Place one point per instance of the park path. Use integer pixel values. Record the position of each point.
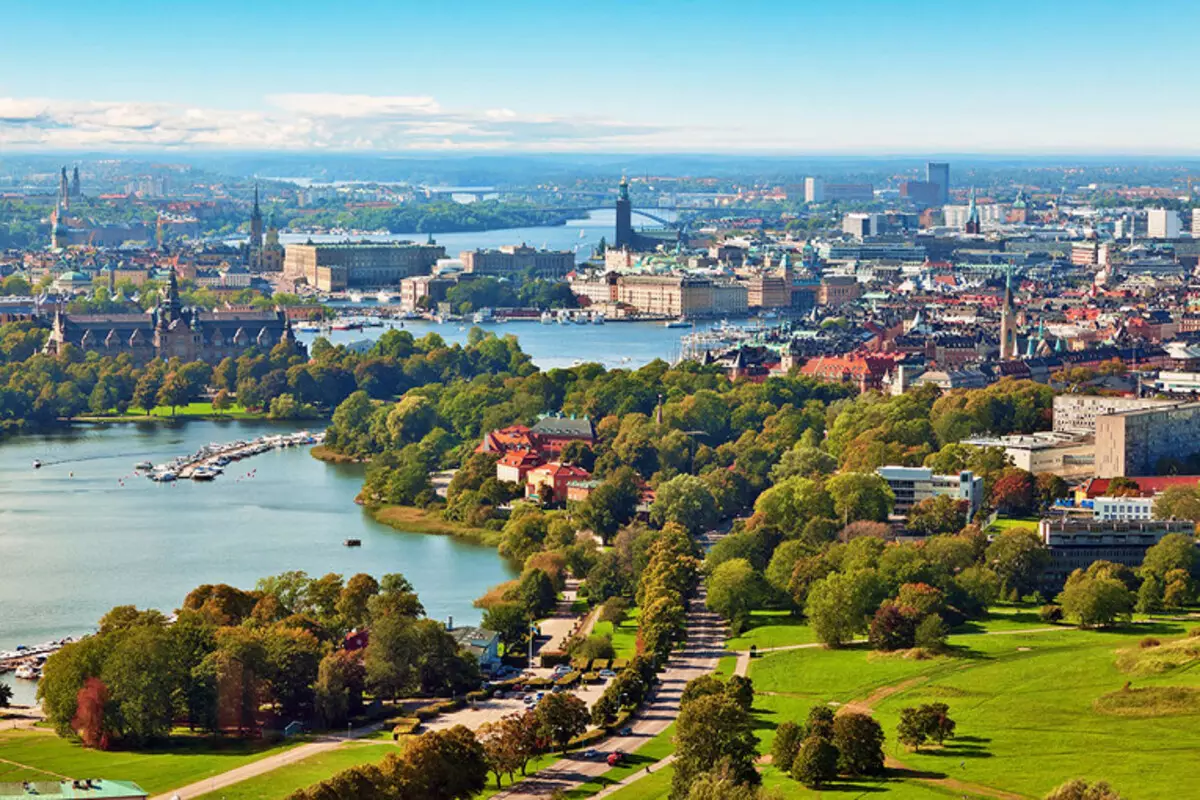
(265, 765)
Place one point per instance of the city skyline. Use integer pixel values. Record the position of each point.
(540, 77)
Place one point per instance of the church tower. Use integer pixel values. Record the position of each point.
(64, 190)
(624, 233)
(1008, 328)
(256, 235)
(75, 190)
(973, 224)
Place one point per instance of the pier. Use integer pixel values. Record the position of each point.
(209, 461)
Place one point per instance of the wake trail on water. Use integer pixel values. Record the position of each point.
(82, 459)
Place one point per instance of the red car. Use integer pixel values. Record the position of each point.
(615, 757)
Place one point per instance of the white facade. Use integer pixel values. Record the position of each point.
(814, 190)
(1123, 509)
(1196, 222)
(1162, 223)
(911, 485)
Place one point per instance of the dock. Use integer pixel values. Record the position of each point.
(209, 461)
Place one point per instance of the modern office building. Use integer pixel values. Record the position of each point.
(1162, 223)
(861, 225)
(1068, 455)
(814, 190)
(938, 173)
(922, 194)
(337, 267)
(1122, 509)
(1077, 543)
(1134, 442)
(1077, 413)
(911, 485)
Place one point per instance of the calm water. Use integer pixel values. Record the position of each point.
(72, 547)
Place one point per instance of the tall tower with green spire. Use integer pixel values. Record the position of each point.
(624, 232)
(973, 224)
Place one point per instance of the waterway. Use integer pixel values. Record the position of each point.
(82, 534)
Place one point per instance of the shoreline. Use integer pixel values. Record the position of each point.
(409, 519)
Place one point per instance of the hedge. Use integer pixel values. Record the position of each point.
(570, 679)
(588, 739)
(552, 658)
(619, 663)
(482, 694)
(580, 664)
(406, 726)
(591, 677)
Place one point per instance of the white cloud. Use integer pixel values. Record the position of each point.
(303, 122)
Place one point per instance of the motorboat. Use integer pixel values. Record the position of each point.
(143, 466)
(682, 322)
(355, 297)
(547, 318)
(165, 476)
(27, 672)
(598, 318)
(353, 543)
(384, 296)
(205, 473)
(37, 464)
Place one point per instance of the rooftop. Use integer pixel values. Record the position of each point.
(64, 790)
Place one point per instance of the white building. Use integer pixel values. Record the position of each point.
(1162, 223)
(911, 485)
(861, 225)
(814, 190)
(1196, 222)
(1068, 455)
(1123, 509)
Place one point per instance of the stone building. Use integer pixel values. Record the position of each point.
(1134, 442)
(172, 330)
(512, 260)
(337, 267)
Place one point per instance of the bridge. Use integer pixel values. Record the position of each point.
(686, 213)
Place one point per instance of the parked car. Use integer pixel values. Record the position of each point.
(615, 757)
(607, 673)
(590, 754)
(626, 731)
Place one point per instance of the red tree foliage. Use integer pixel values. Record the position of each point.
(89, 714)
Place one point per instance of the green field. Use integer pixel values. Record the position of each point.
(201, 409)
(280, 783)
(772, 629)
(1025, 704)
(185, 760)
(1005, 524)
(624, 635)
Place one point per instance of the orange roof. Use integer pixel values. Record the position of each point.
(557, 469)
(504, 439)
(520, 458)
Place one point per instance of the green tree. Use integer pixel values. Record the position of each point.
(710, 730)
(353, 598)
(685, 500)
(611, 504)
(562, 717)
(788, 738)
(1093, 601)
(860, 496)
(734, 589)
(222, 401)
(859, 742)
(1173, 551)
(816, 762)
(1149, 596)
(940, 514)
(1083, 790)
(840, 605)
(174, 391)
(1018, 556)
(1178, 502)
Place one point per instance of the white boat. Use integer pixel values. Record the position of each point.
(580, 319)
(37, 464)
(482, 315)
(27, 672)
(598, 318)
(384, 296)
(205, 473)
(165, 476)
(355, 297)
(682, 322)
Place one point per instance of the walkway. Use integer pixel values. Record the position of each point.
(265, 765)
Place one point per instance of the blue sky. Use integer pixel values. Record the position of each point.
(806, 76)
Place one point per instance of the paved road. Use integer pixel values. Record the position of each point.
(706, 637)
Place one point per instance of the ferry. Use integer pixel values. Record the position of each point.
(355, 297)
(384, 296)
(682, 322)
(348, 326)
(308, 327)
(143, 466)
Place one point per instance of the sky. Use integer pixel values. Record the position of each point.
(793, 76)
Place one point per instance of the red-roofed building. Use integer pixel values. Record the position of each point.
(549, 481)
(866, 372)
(1147, 486)
(514, 437)
(515, 464)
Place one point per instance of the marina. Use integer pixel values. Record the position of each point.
(210, 461)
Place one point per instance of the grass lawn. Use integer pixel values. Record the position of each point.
(417, 520)
(1025, 704)
(184, 760)
(1017, 522)
(624, 635)
(654, 786)
(202, 409)
(539, 763)
(772, 629)
(280, 783)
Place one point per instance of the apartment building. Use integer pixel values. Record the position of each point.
(911, 485)
(341, 266)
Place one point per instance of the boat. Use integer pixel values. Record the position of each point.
(355, 297)
(27, 672)
(482, 315)
(353, 543)
(143, 466)
(384, 296)
(37, 464)
(547, 318)
(682, 322)
(205, 473)
(598, 318)
(308, 327)
(580, 319)
(165, 476)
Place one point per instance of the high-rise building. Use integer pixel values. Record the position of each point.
(814, 190)
(938, 172)
(624, 234)
(922, 193)
(1162, 223)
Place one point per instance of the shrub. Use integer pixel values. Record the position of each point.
(931, 633)
(816, 762)
(788, 739)
(552, 658)
(475, 697)
(570, 679)
(1148, 642)
(1050, 613)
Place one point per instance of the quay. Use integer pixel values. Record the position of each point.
(209, 461)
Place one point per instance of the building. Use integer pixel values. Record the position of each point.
(1077, 543)
(849, 192)
(92, 789)
(548, 483)
(337, 267)
(1122, 509)
(922, 194)
(1067, 455)
(1135, 442)
(666, 295)
(1196, 222)
(550, 434)
(938, 173)
(1008, 324)
(479, 642)
(414, 291)
(1077, 413)
(814, 190)
(1162, 223)
(861, 225)
(836, 290)
(865, 372)
(911, 485)
(767, 291)
(512, 260)
(624, 229)
(171, 330)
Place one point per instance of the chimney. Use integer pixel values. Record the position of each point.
(450, 623)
